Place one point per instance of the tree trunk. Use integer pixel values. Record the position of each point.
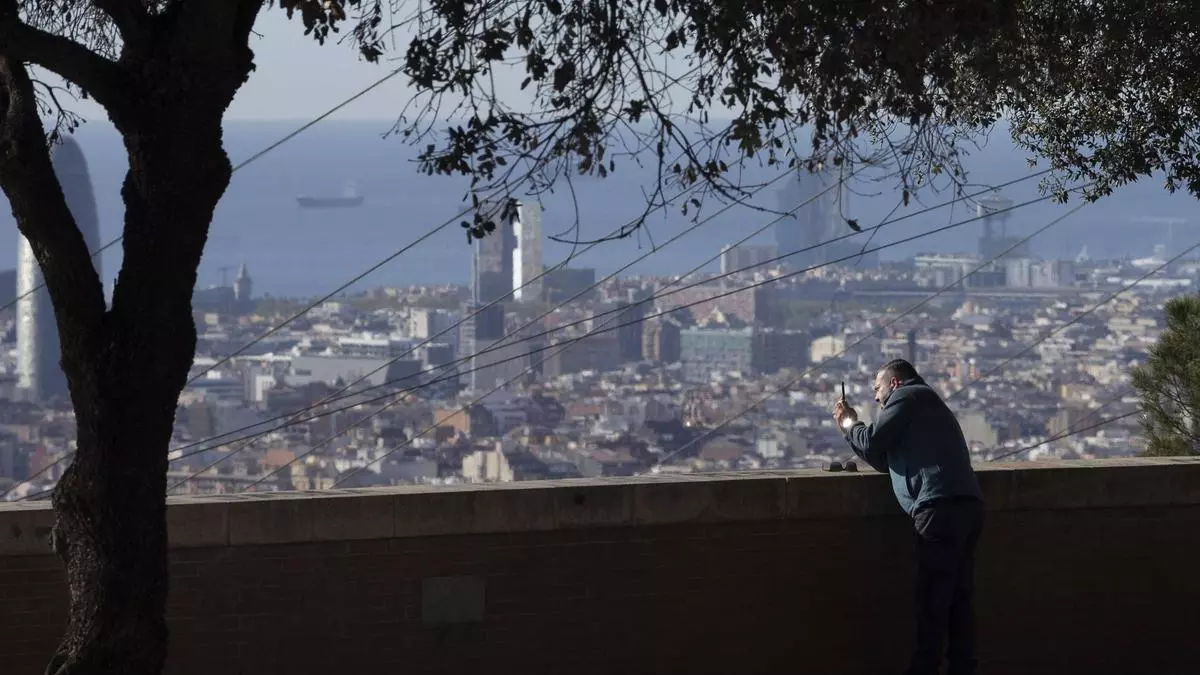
(111, 502)
(125, 364)
(125, 371)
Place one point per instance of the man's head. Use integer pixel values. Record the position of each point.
(890, 376)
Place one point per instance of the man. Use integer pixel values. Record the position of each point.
(918, 441)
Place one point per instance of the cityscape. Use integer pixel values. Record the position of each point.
(533, 369)
(590, 338)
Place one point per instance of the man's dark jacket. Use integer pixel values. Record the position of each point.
(918, 441)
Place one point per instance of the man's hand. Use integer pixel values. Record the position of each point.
(844, 415)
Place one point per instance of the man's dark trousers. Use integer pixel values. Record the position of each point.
(947, 532)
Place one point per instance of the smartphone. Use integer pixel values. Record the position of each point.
(846, 421)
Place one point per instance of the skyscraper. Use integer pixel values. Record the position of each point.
(630, 323)
(39, 374)
(491, 275)
(995, 211)
(509, 259)
(492, 256)
(660, 340)
(565, 283)
(503, 264)
(805, 232)
(527, 261)
(506, 262)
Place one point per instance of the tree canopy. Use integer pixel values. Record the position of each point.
(1169, 383)
(1102, 91)
(1099, 90)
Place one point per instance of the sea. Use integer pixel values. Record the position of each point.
(294, 252)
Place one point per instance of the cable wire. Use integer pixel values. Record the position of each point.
(568, 342)
(323, 299)
(536, 350)
(461, 410)
(336, 396)
(225, 359)
(1073, 321)
(493, 347)
(503, 342)
(550, 311)
(1065, 434)
(622, 309)
(708, 433)
(241, 165)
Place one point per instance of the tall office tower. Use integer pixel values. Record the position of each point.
(39, 375)
(995, 210)
(509, 259)
(492, 269)
(660, 340)
(631, 325)
(492, 275)
(527, 254)
(806, 235)
(467, 344)
(507, 263)
(502, 267)
(565, 283)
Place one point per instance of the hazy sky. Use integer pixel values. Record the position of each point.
(299, 79)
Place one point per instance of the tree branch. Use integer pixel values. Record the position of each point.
(129, 16)
(40, 208)
(247, 15)
(77, 64)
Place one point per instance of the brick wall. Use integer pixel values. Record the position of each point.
(1085, 567)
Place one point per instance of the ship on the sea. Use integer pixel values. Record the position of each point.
(349, 199)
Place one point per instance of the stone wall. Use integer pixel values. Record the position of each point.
(1085, 567)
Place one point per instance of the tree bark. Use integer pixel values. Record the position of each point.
(126, 364)
(111, 502)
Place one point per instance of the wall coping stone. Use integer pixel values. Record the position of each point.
(659, 499)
